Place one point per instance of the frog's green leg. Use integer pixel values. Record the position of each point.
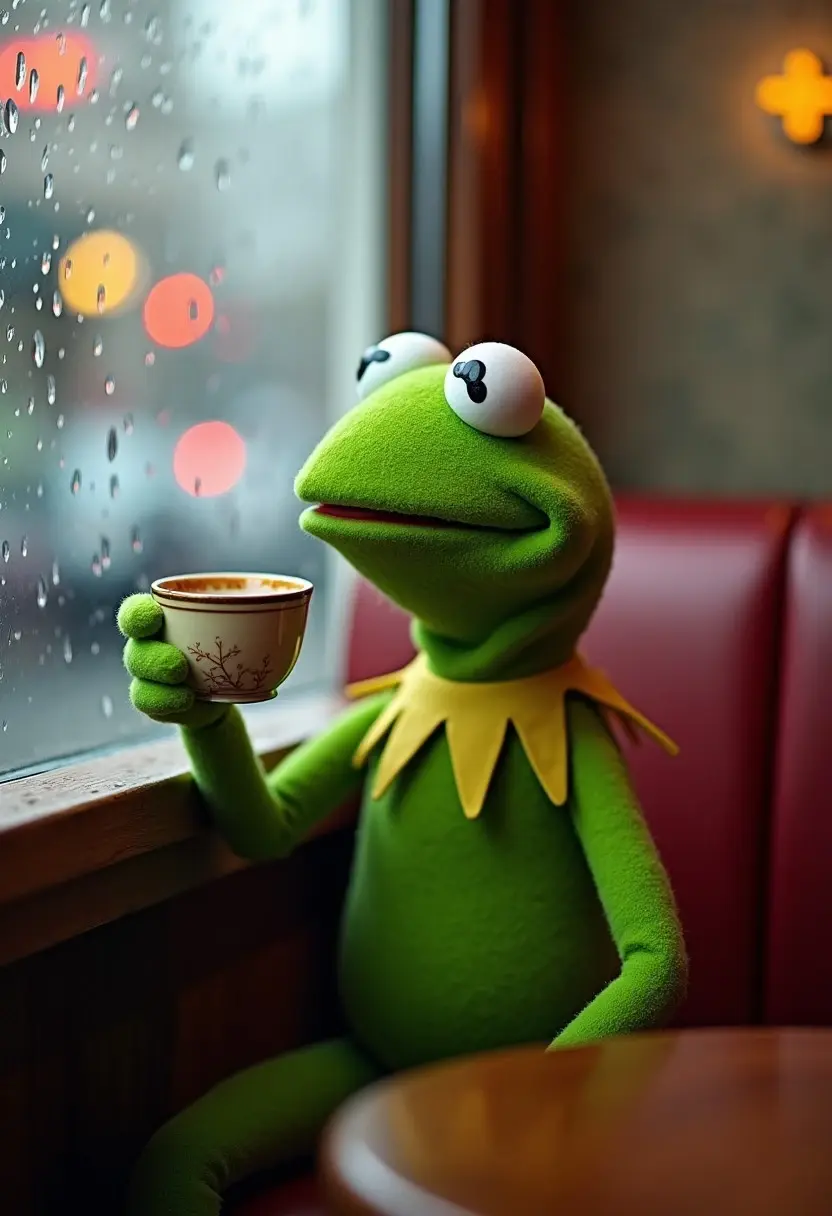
(266, 1116)
(633, 888)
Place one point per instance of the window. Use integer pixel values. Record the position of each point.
(191, 252)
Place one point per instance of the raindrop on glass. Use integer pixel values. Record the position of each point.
(101, 298)
(131, 118)
(185, 158)
(48, 186)
(38, 348)
(107, 707)
(222, 174)
(2, 162)
(61, 41)
(85, 15)
(42, 596)
(149, 359)
(90, 216)
(112, 446)
(82, 76)
(97, 346)
(95, 565)
(104, 10)
(5, 549)
(56, 574)
(68, 268)
(67, 649)
(105, 553)
(75, 484)
(24, 546)
(60, 98)
(44, 160)
(30, 406)
(109, 386)
(20, 70)
(128, 424)
(46, 263)
(114, 486)
(57, 303)
(34, 82)
(51, 391)
(136, 541)
(11, 116)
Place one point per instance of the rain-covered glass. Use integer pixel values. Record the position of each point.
(189, 259)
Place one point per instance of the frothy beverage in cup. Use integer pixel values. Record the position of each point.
(241, 633)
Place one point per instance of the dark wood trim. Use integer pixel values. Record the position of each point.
(399, 156)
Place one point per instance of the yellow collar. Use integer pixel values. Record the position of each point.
(476, 717)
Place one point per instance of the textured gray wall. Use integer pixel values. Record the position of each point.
(699, 267)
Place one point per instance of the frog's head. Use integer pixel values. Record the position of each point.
(470, 500)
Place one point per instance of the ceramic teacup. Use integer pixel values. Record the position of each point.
(241, 633)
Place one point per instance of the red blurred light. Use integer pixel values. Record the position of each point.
(178, 311)
(57, 62)
(209, 459)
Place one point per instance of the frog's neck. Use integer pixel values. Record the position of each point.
(536, 640)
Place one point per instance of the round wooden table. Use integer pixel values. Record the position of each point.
(691, 1123)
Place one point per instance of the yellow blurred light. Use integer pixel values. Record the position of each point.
(802, 96)
(99, 273)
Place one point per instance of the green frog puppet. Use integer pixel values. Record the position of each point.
(505, 888)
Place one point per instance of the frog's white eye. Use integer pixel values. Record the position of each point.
(496, 389)
(394, 356)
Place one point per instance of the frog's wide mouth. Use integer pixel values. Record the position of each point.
(400, 518)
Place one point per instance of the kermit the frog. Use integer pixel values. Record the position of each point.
(505, 888)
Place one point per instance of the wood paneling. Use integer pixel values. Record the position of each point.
(106, 1035)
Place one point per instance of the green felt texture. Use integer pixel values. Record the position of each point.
(503, 601)
(264, 1117)
(159, 670)
(532, 923)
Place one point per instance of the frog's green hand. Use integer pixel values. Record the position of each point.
(158, 669)
(633, 888)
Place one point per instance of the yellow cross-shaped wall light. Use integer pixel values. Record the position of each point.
(802, 96)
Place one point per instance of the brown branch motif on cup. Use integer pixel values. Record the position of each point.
(223, 675)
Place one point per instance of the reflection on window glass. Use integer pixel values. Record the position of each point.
(174, 203)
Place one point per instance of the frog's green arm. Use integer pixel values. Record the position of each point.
(264, 816)
(632, 886)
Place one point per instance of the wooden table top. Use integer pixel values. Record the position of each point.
(690, 1123)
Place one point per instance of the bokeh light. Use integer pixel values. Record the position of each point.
(209, 459)
(68, 62)
(98, 273)
(178, 311)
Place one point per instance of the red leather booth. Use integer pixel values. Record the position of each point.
(717, 623)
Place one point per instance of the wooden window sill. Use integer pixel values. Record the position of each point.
(85, 844)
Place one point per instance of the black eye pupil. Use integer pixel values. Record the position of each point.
(373, 354)
(473, 373)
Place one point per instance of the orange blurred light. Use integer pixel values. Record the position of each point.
(802, 96)
(178, 311)
(68, 61)
(209, 459)
(98, 273)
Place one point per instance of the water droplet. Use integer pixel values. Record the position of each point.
(114, 486)
(38, 348)
(101, 298)
(156, 98)
(136, 541)
(107, 707)
(131, 118)
(82, 76)
(112, 446)
(105, 553)
(109, 386)
(68, 268)
(42, 595)
(95, 565)
(2, 161)
(34, 83)
(20, 70)
(197, 487)
(223, 174)
(115, 80)
(128, 424)
(85, 15)
(97, 346)
(149, 359)
(24, 546)
(57, 303)
(46, 263)
(48, 186)
(104, 10)
(75, 484)
(185, 158)
(67, 649)
(216, 275)
(56, 574)
(30, 406)
(90, 216)
(60, 98)
(59, 423)
(51, 391)
(11, 116)
(5, 549)
(61, 41)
